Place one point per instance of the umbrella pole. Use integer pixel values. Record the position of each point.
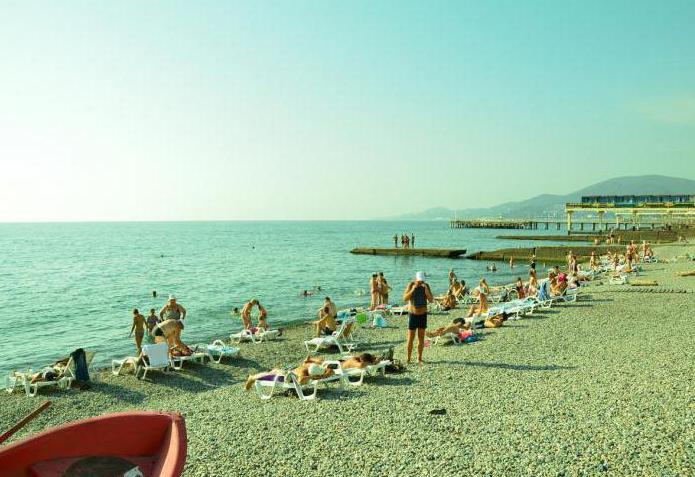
(24, 421)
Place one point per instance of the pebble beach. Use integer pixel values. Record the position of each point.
(603, 386)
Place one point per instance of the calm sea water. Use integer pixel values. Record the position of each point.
(64, 286)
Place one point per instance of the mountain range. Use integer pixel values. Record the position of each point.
(552, 205)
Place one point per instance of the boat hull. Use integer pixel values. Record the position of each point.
(155, 442)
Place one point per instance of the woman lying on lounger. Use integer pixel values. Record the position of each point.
(311, 368)
(492, 322)
(50, 373)
(458, 325)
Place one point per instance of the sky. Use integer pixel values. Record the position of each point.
(240, 110)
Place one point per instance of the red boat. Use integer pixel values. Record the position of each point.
(151, 444)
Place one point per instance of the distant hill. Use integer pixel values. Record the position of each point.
(552, 205)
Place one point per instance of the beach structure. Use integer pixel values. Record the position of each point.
(627, 211)
(422, 252)
(631, 210)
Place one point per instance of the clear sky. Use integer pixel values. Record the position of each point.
(132, 110)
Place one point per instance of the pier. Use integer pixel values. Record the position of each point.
(421, 252)
(555, 224)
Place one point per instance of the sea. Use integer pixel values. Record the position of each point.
(74, 285)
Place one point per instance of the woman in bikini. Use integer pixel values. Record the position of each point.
(311, 368)
(246, 313)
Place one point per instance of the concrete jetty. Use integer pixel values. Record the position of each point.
(423, 252)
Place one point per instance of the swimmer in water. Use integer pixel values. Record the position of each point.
(154, 293)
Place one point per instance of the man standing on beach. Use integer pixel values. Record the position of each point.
(417, 294)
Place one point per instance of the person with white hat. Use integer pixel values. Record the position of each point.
(172, 310)
(417, 294)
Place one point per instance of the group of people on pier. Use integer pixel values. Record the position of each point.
(406, 241)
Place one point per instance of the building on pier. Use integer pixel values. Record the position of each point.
(631, 210)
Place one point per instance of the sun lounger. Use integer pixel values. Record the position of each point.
(62, 380)
(266, 388)
(218, 350)
(258, 336)
(342, 338)
(153, 356)
(197, 356)
(447, 337)
(359, 373)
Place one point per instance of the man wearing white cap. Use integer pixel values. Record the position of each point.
(172, 310)
(417, 294)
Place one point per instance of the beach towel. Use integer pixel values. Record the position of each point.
(80, 360)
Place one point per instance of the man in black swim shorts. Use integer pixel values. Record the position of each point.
(417, 294)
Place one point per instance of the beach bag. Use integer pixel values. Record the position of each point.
(361, 318)
(379, 321)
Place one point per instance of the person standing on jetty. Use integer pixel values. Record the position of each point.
(395, 240)
(412, 240)
(417, 294)
(172, 310)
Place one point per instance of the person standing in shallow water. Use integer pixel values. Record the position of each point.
(417, 294)
(172, 310)
(139, 329)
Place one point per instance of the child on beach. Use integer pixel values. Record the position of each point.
(139, 329)
(152, 320)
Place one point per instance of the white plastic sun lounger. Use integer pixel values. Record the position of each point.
(157, 358)
(258, 337)
(359, 373)
(197, 356)
(64, 380)
(267, 388)
(342, 338)
(218, 350)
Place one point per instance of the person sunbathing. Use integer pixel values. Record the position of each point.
(449, 302)
(458, 325)
(519, 287)
(311, 368)
(360, 361)
(457, 288)
(495, 321)
(326, 323)
(481, 292)
(50, 373)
